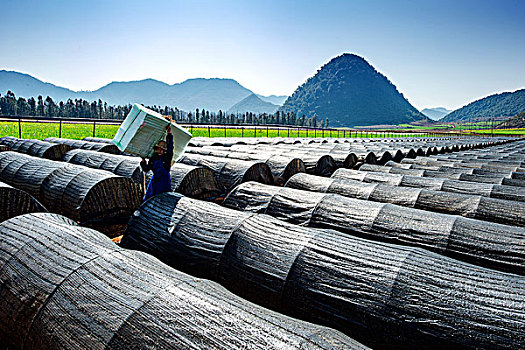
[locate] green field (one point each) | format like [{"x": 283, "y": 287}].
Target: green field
[{"x": 32, "y": 130}]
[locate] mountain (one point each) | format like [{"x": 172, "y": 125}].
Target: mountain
[
  {"x": 435, "y": 113},
  {"x": 211, "y": 94},
  {"x": 506, "y": 104},
  {"x": 253, "y": 104},
  {"x": 350, "y": 92},
  {"x": 276, "y": 100}
]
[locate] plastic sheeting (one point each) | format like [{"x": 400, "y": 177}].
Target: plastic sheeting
[
  {"x": 90, "y": 196},
  {"x": 69, "y": 287},
  {"x": 90, "y": 146},
  {"x": 436, "y": 184},
  {"x": 472, "y": 206},
  {"x": 14, "y": 202},
  {"x": 501, "y": 247},
  {"x": 231, "y": 172},
  {"x": 37, "y": 148},
  {"x": 384, "y": 295}
]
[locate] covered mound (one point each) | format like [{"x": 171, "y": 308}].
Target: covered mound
[
  {"x": 92, "y": 197},
  {"x": 69, "y": 287},
  {"x": 37, "y": 148},
  {"x": 501, "y": 246},
  {"x": 383, "y": 295},
  {"x": 91, "y": 146},
  {"x": 471, "y": 206},
  {"x": 119, "y": 165},
  {"x": 231, "y": 172},
  {"x": 14, "y": 202}
]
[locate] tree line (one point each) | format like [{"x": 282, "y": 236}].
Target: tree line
[{"x": 12, "y": 106}]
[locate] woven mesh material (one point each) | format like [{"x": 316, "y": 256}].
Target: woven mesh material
[
  {"x": 386, "y": 222},
  {"x": 14, "y": 202},
  {"x": 370, "y": 290},
  {"x": 68, "y": 287}
]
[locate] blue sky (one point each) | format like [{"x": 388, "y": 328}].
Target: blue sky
[{"x": 437, "y": 53}]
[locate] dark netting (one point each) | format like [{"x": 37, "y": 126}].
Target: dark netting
[
  {"x": 91, "y": 146},
  {"x": 69, "y": 287},
  {"x": 512, "y": 193},
  {"x": 387, "y": 222},
  {"x": 472, "y": 206},
  {"x": 93, "y": 197},
  {"x": 192, "y": 181},
  {"x": 230, "y": 172},
  {"x": 15, "y": 202},
  {"x": 387, "y": 296},
  {"x": 37, "y": 148}
]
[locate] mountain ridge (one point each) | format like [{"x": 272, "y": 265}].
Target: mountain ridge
[
  {"x": 211, "y": 94},
  {"x": 504, "y": 104}
]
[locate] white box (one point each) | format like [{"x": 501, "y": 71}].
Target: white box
[{"x": 143, "y": 128}]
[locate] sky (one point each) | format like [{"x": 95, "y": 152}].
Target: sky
[{"x": 443, "y": 53}]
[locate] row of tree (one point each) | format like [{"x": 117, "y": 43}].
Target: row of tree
[{"x": 10, "y": 105}]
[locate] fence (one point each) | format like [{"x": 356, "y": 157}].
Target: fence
[{"x": 77, "y": 128}]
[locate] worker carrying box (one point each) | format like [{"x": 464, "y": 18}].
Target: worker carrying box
[{"x": 143, "y": 128}]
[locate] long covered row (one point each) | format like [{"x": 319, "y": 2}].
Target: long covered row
[
  {"x": 501, "y": 246},
  {"x": 468, "y": 205},
  {"x": 435, "y": 184},
  {"x": 69, "y": 287},
  {"x": 492, "y": 179},
  {"x": 37, "y": 148},
  {"x": 384, "y": 295}
]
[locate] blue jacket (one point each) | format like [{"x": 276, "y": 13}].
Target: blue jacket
[{"x": 160, "y": 165}]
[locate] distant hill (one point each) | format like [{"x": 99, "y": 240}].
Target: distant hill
[
  {"x": 211, "y": 94},
  {"x": 276, "y": 100},
  {"x": 435, "y": 113},
  {"x": 506, "y": 104},
  {"x": 253, "y": 104},
  {"x": 350, "y": 92},
  {"x": 26, "y": 86}
]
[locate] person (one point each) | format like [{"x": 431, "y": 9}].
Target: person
[{"x": 160, "y": 164}]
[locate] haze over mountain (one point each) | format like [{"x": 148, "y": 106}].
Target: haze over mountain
[
  {"x": 435, "y": 113},
  {"x": 350, "y": 92},
  {"x": 506, "y": 104},
  {"x": 253, "y": 104},
  {"x": 211, "y": 94}
]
